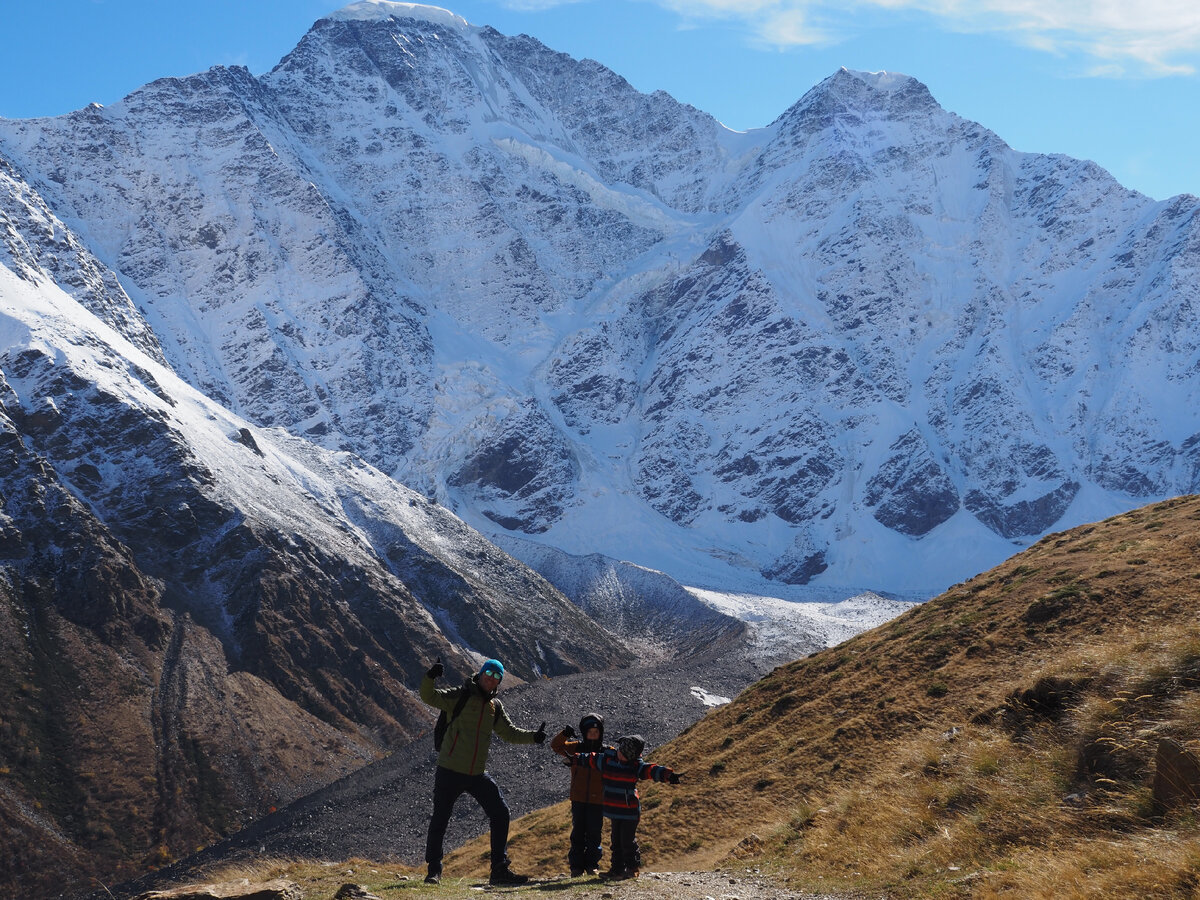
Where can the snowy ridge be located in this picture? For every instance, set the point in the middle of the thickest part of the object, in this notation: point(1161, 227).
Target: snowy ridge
point(382, 10)
point(202, 464)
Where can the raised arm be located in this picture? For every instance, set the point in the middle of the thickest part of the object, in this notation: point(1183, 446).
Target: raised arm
point(504, 727)
point(440, 698)
point(562, 743)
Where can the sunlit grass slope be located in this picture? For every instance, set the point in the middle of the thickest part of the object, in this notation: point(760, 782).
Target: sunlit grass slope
point(998, 740)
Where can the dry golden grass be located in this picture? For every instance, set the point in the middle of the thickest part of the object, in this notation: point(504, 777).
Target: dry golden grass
point(997, 741)
point(323, 879)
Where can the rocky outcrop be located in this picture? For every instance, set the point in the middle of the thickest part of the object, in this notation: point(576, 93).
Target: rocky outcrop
point(1176, 776)
point(243, 889)
point(522, 474)
point(910, 492)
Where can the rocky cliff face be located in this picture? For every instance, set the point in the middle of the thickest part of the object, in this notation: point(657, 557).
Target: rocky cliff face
point(853, 342)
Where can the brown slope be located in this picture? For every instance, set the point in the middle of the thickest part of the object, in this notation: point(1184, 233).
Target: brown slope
point(125, 737)
point(999, 738)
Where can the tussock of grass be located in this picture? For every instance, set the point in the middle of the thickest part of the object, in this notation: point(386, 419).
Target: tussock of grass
point(997, 741)
point(323, 879)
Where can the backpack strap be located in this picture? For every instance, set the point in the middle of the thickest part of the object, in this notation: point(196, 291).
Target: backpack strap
point(464, 694)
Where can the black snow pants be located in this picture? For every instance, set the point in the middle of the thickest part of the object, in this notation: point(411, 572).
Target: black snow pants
point(448, 786)
point(626, 855)
point(587, 826)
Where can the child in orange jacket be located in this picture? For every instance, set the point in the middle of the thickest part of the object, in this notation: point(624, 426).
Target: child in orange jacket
point(587, 794)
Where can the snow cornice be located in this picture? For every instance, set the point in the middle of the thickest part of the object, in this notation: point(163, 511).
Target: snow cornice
point(383, 10)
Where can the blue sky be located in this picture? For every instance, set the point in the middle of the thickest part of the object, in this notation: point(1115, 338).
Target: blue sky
point(1114, 81)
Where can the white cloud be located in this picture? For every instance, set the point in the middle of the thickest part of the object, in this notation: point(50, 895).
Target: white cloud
point(1157, 37)
point(775, 23)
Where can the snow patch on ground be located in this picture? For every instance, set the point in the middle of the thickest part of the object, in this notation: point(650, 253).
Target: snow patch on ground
point(708, 699)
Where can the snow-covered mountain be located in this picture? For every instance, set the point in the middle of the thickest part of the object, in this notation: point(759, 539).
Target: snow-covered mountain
point(868, 346)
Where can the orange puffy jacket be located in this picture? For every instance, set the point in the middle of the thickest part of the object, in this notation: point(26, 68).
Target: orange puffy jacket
point(586, 784)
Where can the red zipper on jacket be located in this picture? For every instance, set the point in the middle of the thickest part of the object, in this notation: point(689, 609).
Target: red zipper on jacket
point(478, 730)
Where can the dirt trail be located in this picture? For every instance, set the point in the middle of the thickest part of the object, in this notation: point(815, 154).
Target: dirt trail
point(721, 885)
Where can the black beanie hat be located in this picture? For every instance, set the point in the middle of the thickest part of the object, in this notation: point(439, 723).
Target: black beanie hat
point(631, 746)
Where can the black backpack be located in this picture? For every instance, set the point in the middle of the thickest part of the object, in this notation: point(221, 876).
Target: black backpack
point(443, 720)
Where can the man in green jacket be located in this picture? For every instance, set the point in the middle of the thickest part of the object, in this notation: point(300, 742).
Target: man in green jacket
point(462, 758)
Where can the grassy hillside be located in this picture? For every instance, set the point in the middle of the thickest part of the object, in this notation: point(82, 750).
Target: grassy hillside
point(998, 740)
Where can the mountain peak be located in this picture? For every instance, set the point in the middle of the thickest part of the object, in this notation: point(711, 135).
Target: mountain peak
point(893, 90)
point(888, 82)
point(892, 94)
point(380, 10)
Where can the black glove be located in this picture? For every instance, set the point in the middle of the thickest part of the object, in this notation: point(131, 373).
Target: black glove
point(675, 777)
point(568, 731)
point(436, 670)
point(540, 735)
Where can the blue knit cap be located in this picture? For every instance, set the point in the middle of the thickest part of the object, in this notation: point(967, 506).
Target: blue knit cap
point(492, 667)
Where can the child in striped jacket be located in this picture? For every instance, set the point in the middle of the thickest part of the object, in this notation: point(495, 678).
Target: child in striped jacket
point(621, 768)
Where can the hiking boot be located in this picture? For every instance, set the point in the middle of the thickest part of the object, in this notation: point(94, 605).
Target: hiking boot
point(507, 876)
point(576, 871)
point(594, 871)
point(433, 878)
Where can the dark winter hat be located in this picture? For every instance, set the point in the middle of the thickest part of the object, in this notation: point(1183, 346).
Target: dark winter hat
point(631, 745)
point(493, 667)
point(591, 720)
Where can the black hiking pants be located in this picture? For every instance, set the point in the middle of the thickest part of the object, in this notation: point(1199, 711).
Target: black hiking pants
point(448, 786)
point(587, 826)
point(626, 855)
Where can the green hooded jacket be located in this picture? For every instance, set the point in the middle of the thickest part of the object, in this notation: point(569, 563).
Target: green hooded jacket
point(465, 746)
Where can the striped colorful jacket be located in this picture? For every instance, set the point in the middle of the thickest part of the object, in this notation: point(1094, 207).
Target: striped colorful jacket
point(621, 798)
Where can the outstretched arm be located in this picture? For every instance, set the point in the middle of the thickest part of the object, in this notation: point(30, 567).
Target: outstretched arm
point(504, 727)
point(586, 760)
point(648, 772)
